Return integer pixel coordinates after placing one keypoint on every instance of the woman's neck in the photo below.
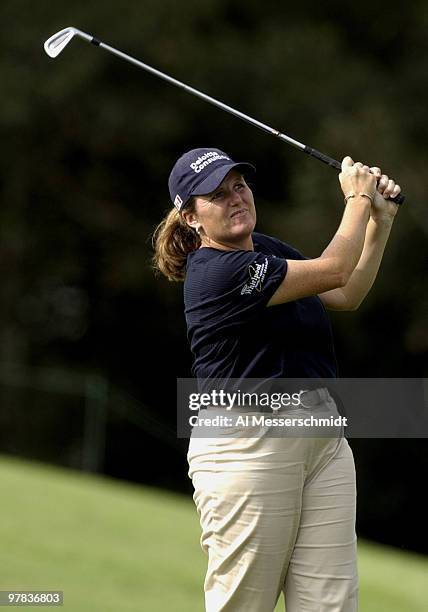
(245, 244)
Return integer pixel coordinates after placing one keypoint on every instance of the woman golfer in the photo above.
(277, 513)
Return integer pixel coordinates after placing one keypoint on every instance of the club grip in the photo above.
(337, 165)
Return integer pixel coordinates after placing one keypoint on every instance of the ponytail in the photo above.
(172, 240)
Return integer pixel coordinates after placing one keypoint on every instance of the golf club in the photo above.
(57, 43)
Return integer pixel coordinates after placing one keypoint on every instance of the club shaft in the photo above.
(229, 109)
(200, 94)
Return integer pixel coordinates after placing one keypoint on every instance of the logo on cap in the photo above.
(178, 202)
(204, 160)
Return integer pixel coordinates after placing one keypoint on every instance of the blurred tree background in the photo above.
(88, 143)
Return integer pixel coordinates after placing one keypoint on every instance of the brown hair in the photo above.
(172, 240)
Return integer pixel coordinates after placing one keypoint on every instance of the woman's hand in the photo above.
(383, 208)
(356, 179)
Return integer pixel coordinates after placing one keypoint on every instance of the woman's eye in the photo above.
(217, 195)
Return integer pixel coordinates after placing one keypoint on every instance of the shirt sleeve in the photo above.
(239, 284)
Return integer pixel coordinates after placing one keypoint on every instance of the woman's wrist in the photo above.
(358, 195)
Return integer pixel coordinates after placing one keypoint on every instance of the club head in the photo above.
(56, 43)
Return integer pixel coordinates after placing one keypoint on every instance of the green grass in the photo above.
(113, 546)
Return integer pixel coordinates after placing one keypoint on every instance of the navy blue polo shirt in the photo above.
(232, 331)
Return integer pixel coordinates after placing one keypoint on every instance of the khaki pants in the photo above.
(277, 514)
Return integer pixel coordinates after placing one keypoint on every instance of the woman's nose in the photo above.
(235, 197)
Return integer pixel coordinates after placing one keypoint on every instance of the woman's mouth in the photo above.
(239, 213)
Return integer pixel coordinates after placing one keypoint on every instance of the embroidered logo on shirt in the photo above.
(257, 274)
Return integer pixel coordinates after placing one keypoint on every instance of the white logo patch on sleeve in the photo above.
(257, 274)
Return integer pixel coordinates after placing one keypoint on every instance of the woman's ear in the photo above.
(191, 219)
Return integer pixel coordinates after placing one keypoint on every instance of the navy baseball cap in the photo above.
(198, 172)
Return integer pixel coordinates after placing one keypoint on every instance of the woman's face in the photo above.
(227, 216)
